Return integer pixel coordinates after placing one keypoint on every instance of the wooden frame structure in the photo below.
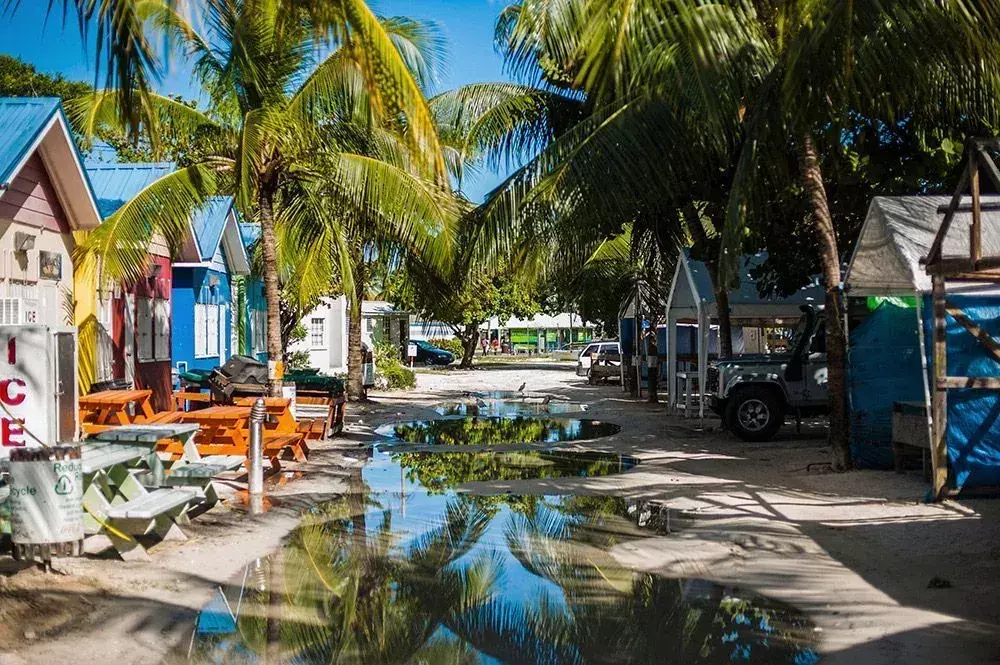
(972, 268)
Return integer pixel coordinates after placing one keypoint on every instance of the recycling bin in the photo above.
(46, 502)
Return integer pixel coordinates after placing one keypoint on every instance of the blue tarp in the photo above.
(885, 368)
(973, 415)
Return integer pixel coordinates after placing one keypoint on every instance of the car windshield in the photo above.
(426, 346)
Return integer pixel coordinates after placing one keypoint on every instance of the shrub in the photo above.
(452, 344)
(390, 372)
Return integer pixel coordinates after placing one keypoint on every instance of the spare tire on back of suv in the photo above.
(755, 413)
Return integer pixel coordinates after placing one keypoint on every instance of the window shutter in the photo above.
(223, 317)
(212, 330)
(144, 325)
(200, 330)
(162, 329)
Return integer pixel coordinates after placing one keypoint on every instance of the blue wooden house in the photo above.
(255, 304)
(204, 298)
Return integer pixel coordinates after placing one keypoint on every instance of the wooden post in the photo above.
(939, 411)
(975, 232)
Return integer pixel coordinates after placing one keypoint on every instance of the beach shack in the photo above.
(133, 340)
(204, 309)
(899, 372)
(45, 196)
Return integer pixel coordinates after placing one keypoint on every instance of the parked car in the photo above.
(609, 348)
(753, 393)
(428, 354)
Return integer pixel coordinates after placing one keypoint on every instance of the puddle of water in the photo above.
(404, 569)
(500, 408)
(497, 430)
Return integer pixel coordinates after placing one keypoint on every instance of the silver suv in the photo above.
(753, 393)
(594, 349)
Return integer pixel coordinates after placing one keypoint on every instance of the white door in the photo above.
(129, 328)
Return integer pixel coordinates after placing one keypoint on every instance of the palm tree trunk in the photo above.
(275, 364)
(470, 340)
(355, 358)
(836, 338)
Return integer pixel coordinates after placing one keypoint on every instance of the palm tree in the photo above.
(694, 86)
(317, 113)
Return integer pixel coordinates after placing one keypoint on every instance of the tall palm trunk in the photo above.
(700, 238)
(836, 338)
(269, 247)
(355, 357)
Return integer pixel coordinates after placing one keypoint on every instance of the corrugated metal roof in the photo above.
(21, 121)
(250, 233)
(115, 184)
(208, 224)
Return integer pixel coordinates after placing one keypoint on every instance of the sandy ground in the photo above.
(856, 551)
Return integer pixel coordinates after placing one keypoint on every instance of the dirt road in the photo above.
(885, 577)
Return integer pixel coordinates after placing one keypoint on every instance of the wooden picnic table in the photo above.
(118, 506)
(225, 430)
(114, 407)
(279, 413)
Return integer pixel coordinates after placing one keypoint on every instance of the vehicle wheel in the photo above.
(428, 362)
(755, 413)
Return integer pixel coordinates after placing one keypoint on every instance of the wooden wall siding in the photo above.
(32, 199)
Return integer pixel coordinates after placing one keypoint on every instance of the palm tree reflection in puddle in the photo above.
(497, 430)
(455, 579)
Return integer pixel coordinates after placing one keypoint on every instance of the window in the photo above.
(258, 320)
(206, 330)
(105, 344)
(317, 333)
(152, 322)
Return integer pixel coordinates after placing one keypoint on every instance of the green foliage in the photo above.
(390, 372)
(20, 79)
(451, 344)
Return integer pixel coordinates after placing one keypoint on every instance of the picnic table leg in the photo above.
(167, 525)
(128, 548)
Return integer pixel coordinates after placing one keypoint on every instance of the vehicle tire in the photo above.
(428, 362)
(755, 413)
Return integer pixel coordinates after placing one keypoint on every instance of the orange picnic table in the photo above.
(110, 408)
(225, 430)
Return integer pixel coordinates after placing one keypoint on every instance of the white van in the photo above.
(609, 348)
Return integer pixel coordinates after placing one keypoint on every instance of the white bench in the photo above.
(153, 504)
(135, 511)
(200, 474)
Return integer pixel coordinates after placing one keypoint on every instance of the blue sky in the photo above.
(467, 26)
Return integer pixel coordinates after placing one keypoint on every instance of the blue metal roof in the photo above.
(115, 184)
(21, 121)
(250, 233)
(209, 222)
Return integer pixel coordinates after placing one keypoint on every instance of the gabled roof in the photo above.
(250, 233)
(216, 223)
(116, 184)
(899, 231)
(29, 124)
(744, 300)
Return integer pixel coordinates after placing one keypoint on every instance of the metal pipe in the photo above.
(256, 480)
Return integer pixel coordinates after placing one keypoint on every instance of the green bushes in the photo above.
(452, 344)
(390, 372)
